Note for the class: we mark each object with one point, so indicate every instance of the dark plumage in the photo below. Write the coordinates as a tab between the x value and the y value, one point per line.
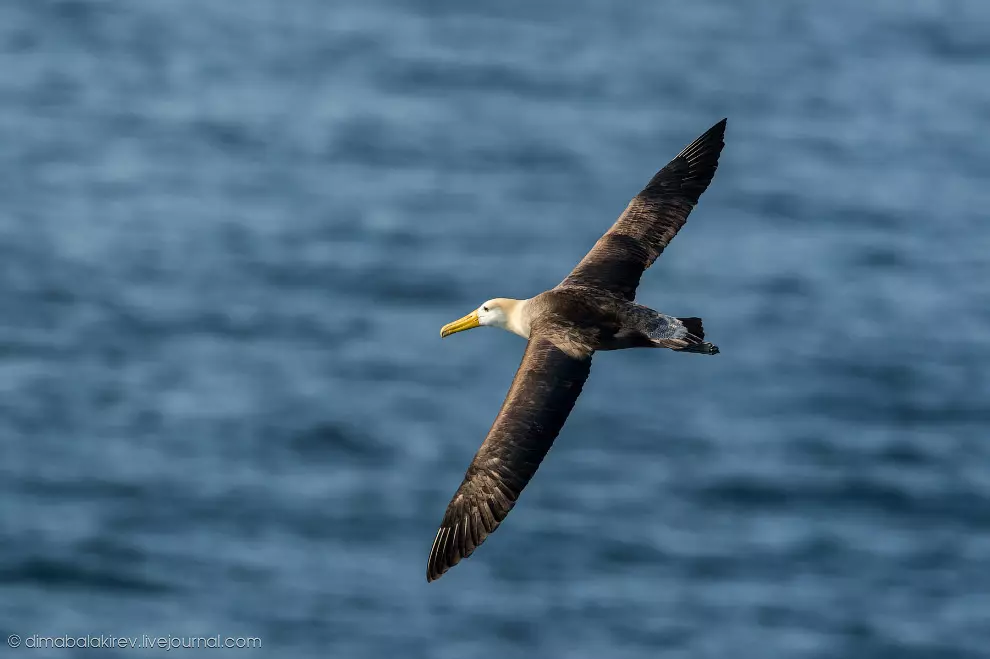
541	396
591	310
653	217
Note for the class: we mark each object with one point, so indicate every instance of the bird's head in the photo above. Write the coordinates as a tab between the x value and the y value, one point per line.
498	312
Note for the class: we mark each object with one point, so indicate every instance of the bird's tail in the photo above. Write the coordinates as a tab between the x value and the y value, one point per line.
693	326
696	330
703	348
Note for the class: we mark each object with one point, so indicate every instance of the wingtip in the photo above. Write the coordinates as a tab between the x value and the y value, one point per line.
715	133
712	140
435	569
718	128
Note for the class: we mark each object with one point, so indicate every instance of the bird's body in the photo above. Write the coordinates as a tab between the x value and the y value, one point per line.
583	320
591	310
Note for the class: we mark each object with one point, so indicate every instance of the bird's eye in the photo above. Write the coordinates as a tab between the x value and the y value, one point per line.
484	308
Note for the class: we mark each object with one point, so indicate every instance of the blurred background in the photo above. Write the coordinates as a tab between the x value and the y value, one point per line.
230	232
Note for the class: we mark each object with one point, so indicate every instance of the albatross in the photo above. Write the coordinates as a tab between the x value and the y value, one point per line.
592	309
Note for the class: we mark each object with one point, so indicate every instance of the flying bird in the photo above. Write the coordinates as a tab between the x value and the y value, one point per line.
592	309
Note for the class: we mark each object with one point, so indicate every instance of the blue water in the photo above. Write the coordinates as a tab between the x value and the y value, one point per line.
230	232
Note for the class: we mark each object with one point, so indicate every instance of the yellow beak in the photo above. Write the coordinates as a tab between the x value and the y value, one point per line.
469	321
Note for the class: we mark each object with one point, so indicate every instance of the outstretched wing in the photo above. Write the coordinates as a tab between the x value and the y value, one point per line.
653	217
541	396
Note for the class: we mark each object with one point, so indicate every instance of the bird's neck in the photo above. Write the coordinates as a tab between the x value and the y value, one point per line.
517	318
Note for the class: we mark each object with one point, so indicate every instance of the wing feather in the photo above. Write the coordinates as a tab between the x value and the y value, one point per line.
542	394
651	220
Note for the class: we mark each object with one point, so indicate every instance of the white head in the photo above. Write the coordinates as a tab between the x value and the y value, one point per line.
500	312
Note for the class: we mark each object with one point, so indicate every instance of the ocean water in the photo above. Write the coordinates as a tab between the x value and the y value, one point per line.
230	232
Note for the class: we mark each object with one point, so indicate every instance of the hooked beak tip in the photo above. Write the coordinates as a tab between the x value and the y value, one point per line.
469	321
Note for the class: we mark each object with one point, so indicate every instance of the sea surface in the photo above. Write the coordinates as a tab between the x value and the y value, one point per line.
231	230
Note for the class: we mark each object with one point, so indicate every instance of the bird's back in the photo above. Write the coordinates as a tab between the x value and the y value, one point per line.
592	320
583	317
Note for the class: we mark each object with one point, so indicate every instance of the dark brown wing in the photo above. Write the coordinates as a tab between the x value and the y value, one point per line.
654	216
541	396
